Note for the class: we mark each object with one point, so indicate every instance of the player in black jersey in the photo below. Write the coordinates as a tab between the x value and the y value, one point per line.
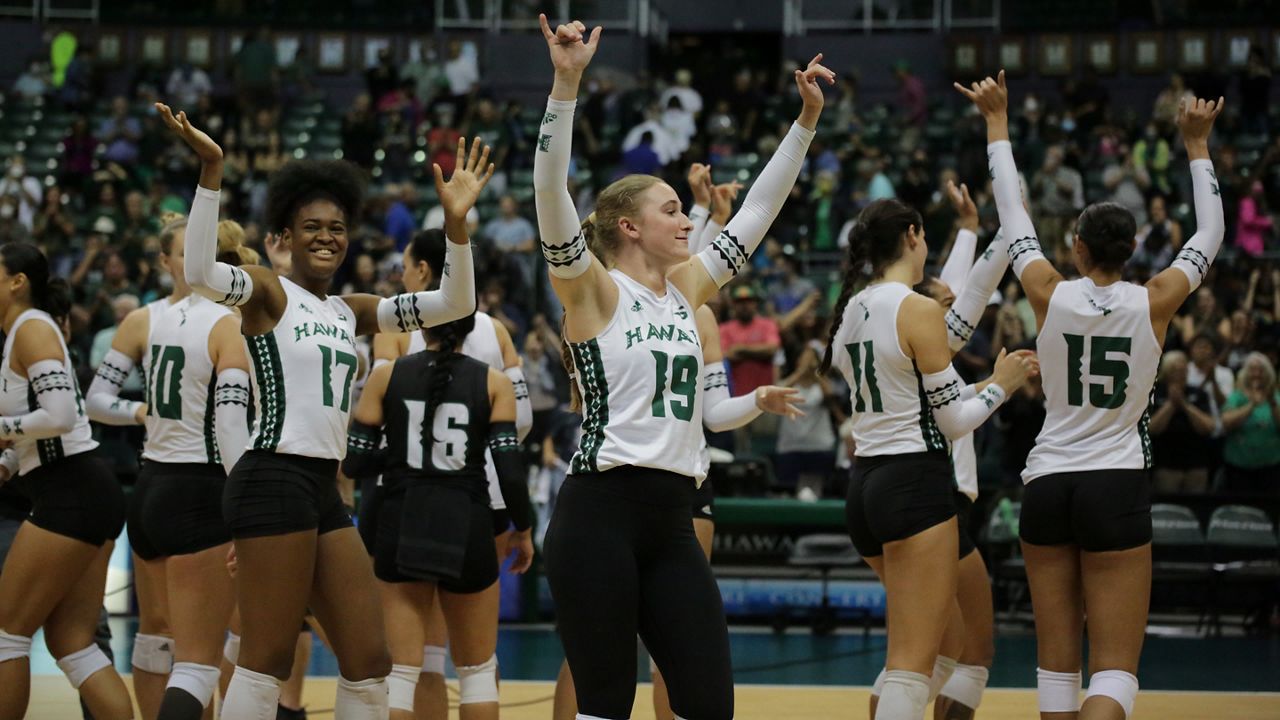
439	410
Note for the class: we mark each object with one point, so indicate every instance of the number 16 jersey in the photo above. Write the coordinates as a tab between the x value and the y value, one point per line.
1098	360
303	370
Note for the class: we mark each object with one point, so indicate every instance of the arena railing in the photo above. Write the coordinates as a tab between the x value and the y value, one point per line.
801	17
641	17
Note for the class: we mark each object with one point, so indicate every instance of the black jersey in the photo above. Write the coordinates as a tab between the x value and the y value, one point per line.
451	446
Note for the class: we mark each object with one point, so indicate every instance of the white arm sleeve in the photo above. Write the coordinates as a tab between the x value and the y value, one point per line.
719	411
956	269
103	404
711	231
455	299
55	393
222	283
956	417
524	409
560	233
1197	254
963	315
1024	246
231	415
699	216
728	252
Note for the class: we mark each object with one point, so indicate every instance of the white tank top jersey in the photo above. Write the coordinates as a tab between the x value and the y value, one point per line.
639	380
179	381
890	413
1098	359
17	398
964	463
480	344
303	370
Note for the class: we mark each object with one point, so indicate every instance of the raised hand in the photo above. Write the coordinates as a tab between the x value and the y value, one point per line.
278	253
811	92
471	173
700	183
991	96
779	401
722	197
571	50
963	205
1195	118
197	139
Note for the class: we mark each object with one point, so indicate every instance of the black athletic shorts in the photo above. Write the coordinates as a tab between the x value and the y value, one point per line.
704	501
1099	511
448	539
176	509
271	493
892	497
75	496
964	507
367	513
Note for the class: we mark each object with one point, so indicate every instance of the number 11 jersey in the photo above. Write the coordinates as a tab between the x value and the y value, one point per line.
1098	360
303	370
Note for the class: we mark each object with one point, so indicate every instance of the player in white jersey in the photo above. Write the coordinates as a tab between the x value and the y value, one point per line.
621	553
56	569
1086	510
295	544
197	418
892	347
490	343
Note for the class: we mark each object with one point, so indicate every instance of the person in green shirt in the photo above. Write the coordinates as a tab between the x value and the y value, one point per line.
1251	419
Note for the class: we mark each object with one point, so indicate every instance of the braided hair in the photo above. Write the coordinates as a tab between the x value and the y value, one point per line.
449	338
875	242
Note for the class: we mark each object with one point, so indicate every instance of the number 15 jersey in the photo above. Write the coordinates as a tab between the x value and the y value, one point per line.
1098	360
303	370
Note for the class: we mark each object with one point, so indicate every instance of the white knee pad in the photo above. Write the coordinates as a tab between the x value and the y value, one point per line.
1058	691
433	657
361	699
198	681
251	695
966	685
14	647
877	687
231	648
479	683
1117	685
153	653
401	684
79	665
943	667
904	697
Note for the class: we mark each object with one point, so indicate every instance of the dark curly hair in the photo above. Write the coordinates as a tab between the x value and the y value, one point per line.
299	182
1107	229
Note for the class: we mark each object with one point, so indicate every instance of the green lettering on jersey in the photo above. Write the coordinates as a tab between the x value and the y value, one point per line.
634	336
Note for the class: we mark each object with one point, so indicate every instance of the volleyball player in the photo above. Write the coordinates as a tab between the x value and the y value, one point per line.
1086	509
294	542
56	570
489	342
620	549
892	346
196	413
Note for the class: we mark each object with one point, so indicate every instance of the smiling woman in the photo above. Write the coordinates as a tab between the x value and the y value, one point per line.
294	541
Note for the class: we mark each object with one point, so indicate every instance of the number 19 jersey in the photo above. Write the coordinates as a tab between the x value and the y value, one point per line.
639	380
1098	360
303	370
890	413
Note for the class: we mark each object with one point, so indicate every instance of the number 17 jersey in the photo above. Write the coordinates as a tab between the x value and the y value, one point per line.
303	370
1098	360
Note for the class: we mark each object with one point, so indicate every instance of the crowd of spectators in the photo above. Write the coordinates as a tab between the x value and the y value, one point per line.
1214	417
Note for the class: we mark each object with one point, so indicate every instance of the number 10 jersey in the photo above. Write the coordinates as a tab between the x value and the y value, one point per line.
639	380
1098	360
303	370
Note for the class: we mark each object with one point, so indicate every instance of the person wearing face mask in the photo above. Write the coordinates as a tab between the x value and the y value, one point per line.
22	190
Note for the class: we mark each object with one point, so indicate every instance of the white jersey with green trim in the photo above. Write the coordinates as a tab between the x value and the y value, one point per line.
639	380
17	397
481	344
890	413
303	370
179	382
1098	360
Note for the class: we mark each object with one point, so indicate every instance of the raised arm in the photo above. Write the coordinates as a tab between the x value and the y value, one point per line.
700	184
956	269
711	269
103	403
456	297
1169	289
977	281
1034	271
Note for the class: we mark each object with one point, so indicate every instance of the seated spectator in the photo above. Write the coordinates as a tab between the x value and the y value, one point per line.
514	236
1127	182
1205	316
442	140
1205	371
25	190
1182	429
400	220
790	288
1253	224
1057	195
1157	242
120	134
1251	420
360	132
186	84
78	149
806	444
750	342
53	228
489	125
642	159
33	82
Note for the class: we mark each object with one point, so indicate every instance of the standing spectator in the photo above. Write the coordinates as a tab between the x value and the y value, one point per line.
397	148
186	84
543	367
34	81
383	77
10	229
873	182
23	189
111	282
806	443
360	132
79	84
750	342
78	149
1057	194
690	98
1252	423
515	237
1167	102
1204	317
442	140
489	125
462	73
790	288
912	99
1255	92
1127	182
1152	153
1205	372
744	102
1157	241
1088	101
53	228
642	159
1182	429
120	134
425	72
295	77
255	74
400	222
136	227
1253	224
